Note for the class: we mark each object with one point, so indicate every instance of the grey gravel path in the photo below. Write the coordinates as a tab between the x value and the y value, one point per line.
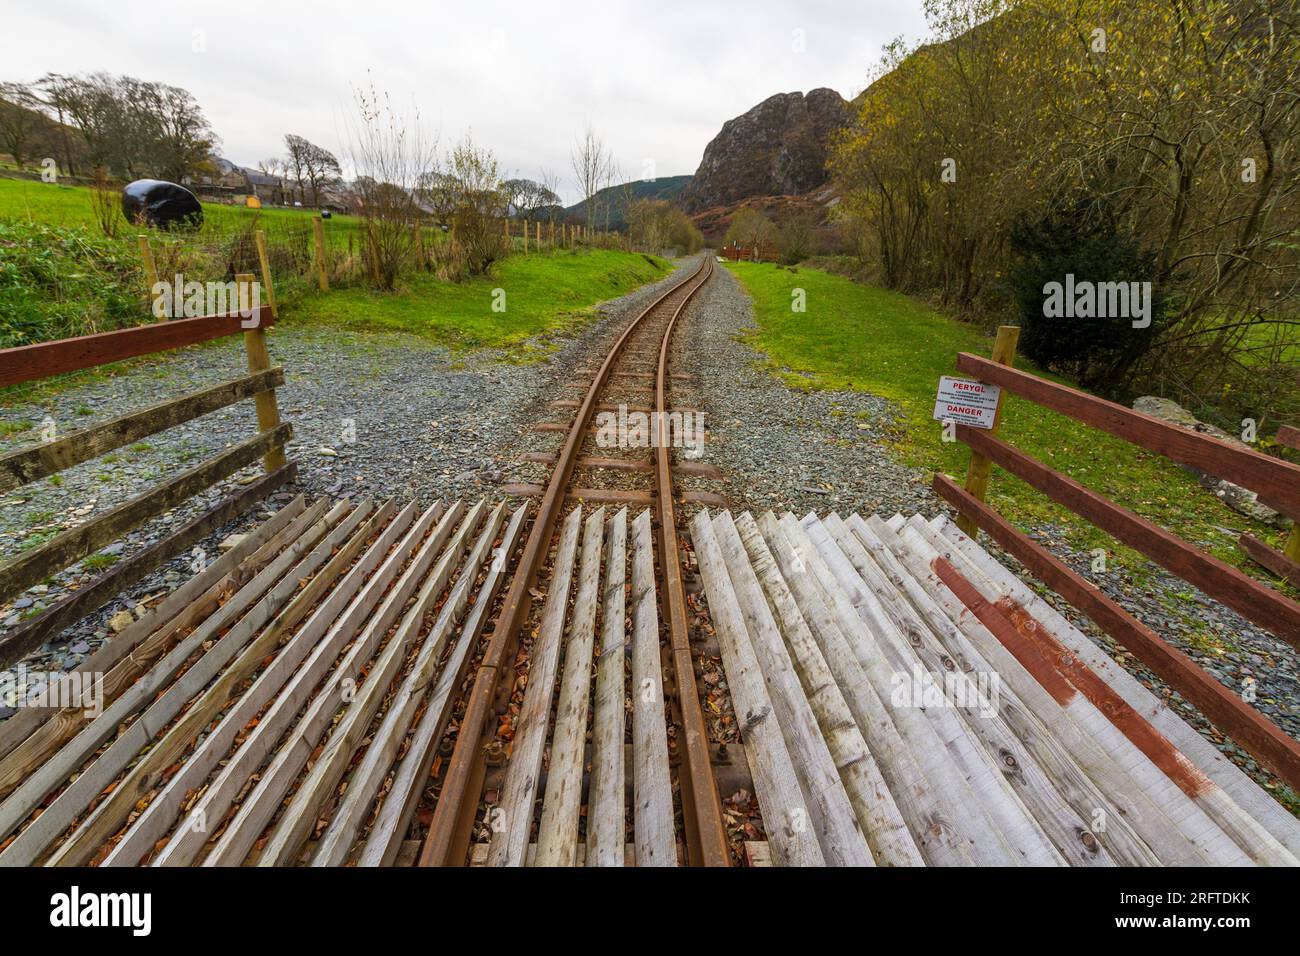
429	422
779	447
374	414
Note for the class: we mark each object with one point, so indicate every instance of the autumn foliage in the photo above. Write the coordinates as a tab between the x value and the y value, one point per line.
1178	124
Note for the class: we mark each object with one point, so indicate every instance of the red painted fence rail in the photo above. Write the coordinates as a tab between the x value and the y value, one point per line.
1275	481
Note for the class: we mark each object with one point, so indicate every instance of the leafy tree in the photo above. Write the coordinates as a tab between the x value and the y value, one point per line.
1179	122
18	119
750	230
132	127
1081	244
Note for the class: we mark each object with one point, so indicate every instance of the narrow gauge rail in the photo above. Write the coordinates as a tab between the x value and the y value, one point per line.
638	357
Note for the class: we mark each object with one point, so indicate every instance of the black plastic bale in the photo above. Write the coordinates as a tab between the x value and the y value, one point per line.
164	205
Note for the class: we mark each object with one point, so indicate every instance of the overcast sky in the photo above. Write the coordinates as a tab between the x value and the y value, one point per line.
655	80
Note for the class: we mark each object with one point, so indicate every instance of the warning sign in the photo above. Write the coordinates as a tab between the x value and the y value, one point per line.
966	403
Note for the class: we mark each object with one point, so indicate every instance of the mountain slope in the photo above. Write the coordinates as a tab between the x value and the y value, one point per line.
614	197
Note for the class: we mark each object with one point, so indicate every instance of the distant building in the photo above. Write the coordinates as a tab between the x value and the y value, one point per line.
229	182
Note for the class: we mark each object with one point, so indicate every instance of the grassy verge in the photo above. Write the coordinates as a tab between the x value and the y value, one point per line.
860	337
527	296
60	277
58	205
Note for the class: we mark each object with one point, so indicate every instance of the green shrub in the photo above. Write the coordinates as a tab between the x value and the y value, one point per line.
57	281
1073	245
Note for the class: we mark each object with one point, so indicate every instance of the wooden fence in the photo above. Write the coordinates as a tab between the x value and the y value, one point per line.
1276	482
30	363
766	252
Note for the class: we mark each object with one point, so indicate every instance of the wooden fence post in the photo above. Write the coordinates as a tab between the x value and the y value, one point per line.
539	234
507	222
259	360
525	235
322	275
977	472
150	271
264	259
419	245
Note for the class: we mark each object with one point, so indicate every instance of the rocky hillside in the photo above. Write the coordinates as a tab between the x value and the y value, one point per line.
777	148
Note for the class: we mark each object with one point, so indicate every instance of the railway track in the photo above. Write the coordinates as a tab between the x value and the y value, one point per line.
377	683
635	368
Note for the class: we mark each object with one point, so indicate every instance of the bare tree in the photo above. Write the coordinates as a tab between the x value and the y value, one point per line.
612	174
550	182
391	155
54	91
132	127
750	229
321	167
591	162
295	161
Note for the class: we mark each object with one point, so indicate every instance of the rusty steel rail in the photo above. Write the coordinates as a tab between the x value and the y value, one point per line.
448	838
701	809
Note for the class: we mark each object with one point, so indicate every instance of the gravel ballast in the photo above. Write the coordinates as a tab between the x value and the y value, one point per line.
374	415
390	415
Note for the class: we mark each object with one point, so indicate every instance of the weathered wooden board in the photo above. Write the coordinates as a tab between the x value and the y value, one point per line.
1274	479
512	818
26	363
652	800
605	810
299	818
384	844
34	566
32	633
887	835
557	831
188	840
1262	738
27	464
1253	600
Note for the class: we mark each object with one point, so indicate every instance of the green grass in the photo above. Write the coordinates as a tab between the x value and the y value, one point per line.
543	293
861	337
61	277
59	205
99	562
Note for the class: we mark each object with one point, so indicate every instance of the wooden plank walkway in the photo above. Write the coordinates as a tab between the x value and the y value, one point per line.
609	579
280	708
901	693
902	699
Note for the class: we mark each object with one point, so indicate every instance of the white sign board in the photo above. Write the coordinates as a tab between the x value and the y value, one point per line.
966	403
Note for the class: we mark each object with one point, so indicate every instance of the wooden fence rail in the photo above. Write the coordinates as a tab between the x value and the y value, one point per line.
28	363
33	362
1277	482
